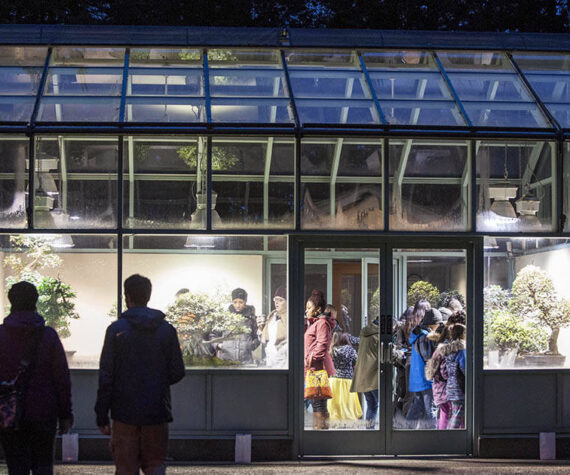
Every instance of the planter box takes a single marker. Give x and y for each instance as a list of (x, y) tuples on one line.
[(542, 361)]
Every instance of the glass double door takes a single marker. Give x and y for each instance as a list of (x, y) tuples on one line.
[(396, 348)]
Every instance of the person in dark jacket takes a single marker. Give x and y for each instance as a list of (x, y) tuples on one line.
[(239, 347), (141, 358), (47, 399)]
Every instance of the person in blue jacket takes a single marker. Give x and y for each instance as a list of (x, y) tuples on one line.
[(421, 414), (140, 359)]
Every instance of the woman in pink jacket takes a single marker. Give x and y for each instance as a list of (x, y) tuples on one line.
[(319, 326)]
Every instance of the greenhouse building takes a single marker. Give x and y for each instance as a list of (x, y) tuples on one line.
[(238, 166)]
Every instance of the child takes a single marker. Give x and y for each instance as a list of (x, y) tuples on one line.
[(436, 370)]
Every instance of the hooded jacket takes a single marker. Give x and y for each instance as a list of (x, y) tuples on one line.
[(140, 359), (317, 343), (240, 347), (366, 370), (48, 395), (455, 363), (422, 350)]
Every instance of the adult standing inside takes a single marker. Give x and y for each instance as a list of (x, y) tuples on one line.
[(365, 378), (141, 358), (274, 331), (317, 343), (46, 384)]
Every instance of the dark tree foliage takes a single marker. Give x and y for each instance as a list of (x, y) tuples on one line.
[(473, 15)]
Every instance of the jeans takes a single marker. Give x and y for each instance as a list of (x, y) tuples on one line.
[(420, 415), (143, 447), (31, 448), (371, 404)]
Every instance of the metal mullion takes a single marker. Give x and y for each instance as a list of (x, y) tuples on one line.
[(472, 158), (451, 89), (290, 91), (120, 232), (31, 185), (533, 93), (124, 85), (209, 184), (297, 190), (371, 89), (41, 87), (560, 186), (385, 183), (206, 83)]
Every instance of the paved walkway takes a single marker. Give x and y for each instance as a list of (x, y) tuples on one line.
[(387, 465)]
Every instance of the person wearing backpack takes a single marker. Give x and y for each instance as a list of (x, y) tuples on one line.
[(140, 359), (33, 353), (455, 365)]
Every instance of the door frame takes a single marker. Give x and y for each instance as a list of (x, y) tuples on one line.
[(388, 441)]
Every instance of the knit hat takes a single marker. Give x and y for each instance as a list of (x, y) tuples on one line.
[(432, 317), (239, 294), (445, 313), (281, 291)]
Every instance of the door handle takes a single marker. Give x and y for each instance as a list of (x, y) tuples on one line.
[(389, 352), (381, 352)]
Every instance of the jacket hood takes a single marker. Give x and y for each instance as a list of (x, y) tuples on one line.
[(416, 333), (433, 336), (144, 318), (24, 319), (445, 349), (370, 329), (331, 322)]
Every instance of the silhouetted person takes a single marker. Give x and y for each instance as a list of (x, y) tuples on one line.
[(141, 358), (45, 383)]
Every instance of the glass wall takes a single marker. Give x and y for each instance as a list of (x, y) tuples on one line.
[(14, 181), (225, 295), (516, 184), (429, 185), (341, 184), (76, 278), (526, 303)]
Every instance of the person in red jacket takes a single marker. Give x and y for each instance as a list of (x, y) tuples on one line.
[(318, 334), (47, 397)]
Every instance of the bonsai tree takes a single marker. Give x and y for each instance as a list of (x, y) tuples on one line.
[(199, 317), (56, 298), (506, 331), (445, 296), (422, 290), (535, 298)]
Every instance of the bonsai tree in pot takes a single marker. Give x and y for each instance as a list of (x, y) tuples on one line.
[(422, 290), (56, 302), (535, 298), (199, 317)]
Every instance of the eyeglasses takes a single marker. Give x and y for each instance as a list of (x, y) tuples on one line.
[(278, 299)]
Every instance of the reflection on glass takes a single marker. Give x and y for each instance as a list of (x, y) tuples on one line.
[(341, 184), (351, 362), (160, 181), (79, 109), (75, 182), (164, 109), (261, 110), (236, 58), (429, 185), (213, 290), (515, 183), (88, 81), (168, 82), (90, 56), (248, 190), (77, 286), (165, 57), (19, 80), (13, 182), (22, 55), (526, 305), (429, 353), (16, 108)]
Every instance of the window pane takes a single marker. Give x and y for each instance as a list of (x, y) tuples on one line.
[(422, 113), (165, 57), (22, 55), (247, 194), (337, 112), (247, 83), (505, 114), (162, 109), (324, 59), (169, 82), (79, 109), (526, 311), (160, 182), (429, 186), (89, 81), (75, 182), (230, 58), (13, 181), (491, 87), (341, 184), (19, 80), (409, 85), (16, 108), (93, 56), (251, 110), (566, 188), (193, 278), (491, 61), (329, 84), (399, 60), (80, 269), (515, 186)]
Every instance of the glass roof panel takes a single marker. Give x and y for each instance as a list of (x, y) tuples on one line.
[(79, 109), (337, 112), (20, 80), (329, 84), (168, 82), (247, 83), (490, 87), (266, 110), (22, 55), (322, 59), (88, 81), (422, 113), (522, 114), (236, 58), (399, 60), (92, 56), (489, 61), (164, 109), (165, 57), (16, 108)]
